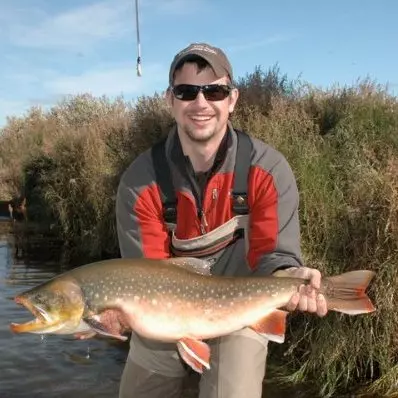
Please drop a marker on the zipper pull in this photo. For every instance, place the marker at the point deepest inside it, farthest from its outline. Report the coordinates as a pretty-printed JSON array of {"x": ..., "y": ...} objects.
[
  {"x": 203, "y": 222},
  {"x": 215, "y": 194}
]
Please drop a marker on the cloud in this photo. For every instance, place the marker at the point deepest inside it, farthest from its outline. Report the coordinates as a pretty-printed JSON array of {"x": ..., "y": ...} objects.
[
  {"x": 110, "y": 81},
  {"x": 82, "y": 27},
  {"x": 73, "y": 29},
  {"x": 179, "y": 7},
  {"x": 250, "y": 45}
]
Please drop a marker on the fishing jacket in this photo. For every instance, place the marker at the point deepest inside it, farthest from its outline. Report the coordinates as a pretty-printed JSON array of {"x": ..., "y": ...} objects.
[{"x": 240, "y": 230}]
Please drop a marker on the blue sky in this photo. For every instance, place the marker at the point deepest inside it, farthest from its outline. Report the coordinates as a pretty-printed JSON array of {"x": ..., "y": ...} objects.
[{"x": 50, "y": 49}]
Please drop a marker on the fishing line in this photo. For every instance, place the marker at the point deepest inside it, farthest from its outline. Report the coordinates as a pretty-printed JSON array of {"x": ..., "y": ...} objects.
[{"x": 139, "y": 70}]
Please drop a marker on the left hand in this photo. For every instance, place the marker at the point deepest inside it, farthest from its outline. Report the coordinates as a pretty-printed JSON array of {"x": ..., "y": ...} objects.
[{"x": 307, "y": 298}]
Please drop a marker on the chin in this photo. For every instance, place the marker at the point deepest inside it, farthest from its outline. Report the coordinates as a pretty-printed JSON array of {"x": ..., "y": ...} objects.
[
  {"x": 201, "y": 133},
  {"x": 201, "y": 136}
]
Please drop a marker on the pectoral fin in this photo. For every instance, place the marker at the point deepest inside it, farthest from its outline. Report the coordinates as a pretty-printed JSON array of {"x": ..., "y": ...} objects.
[
  {"x": 195, "y": 353},
  {"x": 100, "y": 328},
  {"x": 272, "y": 326}
]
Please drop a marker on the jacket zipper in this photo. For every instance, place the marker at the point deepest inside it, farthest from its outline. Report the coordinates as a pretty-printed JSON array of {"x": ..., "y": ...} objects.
[{"x": 199, "y": 195}]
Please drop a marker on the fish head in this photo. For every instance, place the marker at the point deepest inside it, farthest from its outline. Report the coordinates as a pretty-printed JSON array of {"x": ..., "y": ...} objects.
[{"x": 57, "y": 306}]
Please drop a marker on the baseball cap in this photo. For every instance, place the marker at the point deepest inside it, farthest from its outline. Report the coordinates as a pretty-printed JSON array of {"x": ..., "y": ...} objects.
[{"x": 216, "y": 58}]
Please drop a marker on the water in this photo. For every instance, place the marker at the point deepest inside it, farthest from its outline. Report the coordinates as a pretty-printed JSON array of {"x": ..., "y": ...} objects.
[{"x": 35, "y": 366}]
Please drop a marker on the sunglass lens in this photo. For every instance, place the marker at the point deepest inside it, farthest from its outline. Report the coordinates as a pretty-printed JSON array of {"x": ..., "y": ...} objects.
[
  {"x": 215, "y": 92},
  {"x": 212, "y": 92},
  {"x": 186, "y": 92}
]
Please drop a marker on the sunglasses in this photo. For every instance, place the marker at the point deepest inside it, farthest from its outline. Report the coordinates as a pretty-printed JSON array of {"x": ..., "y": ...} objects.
[{"x": 212, "y": 92}]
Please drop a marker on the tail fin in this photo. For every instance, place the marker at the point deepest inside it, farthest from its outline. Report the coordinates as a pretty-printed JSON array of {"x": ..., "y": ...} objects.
[{"x": 346, "y": 292}]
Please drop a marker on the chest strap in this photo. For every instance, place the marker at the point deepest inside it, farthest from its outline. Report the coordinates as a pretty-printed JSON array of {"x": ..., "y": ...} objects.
[{"x": 164, "y": 179}]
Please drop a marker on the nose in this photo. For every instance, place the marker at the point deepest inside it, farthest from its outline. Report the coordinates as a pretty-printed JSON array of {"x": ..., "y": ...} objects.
[{"x": 200, "y": 99}]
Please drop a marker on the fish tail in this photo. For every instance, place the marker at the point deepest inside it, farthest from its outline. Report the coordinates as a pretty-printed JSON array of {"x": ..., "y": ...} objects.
[{"x": 346, "y": 293}]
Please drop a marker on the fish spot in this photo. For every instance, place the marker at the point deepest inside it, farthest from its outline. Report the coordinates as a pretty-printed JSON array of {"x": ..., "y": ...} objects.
[
  {"x": 154, "y": 302},
  {"x": 96, "y": 295},
  {"x": 106, "y": 298},
  {"x": 136, "y": 298},
  {"x": 224, "y": 296},
  {"x": 169, "y": 305}
]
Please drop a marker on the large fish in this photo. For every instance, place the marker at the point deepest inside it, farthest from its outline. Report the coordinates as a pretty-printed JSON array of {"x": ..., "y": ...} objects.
[{"x": 177, "y": 300}]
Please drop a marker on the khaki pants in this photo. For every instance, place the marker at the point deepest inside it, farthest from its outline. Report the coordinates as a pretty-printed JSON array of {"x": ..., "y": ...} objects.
[{"x": 237, "y": 368}]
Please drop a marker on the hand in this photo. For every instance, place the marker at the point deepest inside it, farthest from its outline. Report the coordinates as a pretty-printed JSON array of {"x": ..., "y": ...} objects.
[
  {"x": 307, "y": 298},
  {"x": 112, "y": 320}
]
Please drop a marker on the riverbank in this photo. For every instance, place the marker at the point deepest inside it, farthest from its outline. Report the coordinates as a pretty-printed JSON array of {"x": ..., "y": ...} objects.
[{"x": 343, "y": 148}]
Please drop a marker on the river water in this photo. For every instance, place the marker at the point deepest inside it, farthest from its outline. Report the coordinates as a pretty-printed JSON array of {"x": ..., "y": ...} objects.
[{"x": 35, "y": 366}]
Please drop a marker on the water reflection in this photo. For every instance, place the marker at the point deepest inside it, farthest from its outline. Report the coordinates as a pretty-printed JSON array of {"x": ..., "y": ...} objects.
[{"x": 32, "y": 366}]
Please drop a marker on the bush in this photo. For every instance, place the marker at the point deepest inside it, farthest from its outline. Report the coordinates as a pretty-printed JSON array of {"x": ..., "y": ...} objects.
[{"x": 343, "y": 147}]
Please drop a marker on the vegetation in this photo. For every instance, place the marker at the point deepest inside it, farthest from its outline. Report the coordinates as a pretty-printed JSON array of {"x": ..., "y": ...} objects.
[{"x": 342, "y": 144}]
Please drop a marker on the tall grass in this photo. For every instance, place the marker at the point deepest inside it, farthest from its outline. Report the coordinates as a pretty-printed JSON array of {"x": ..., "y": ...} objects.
[{"x": 342, "y": 144}]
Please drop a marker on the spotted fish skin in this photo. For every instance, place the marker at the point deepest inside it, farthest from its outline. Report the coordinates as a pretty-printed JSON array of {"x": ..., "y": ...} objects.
[
  {"x": 166, "y": 302},
  {"x": 176, "y": 300}
]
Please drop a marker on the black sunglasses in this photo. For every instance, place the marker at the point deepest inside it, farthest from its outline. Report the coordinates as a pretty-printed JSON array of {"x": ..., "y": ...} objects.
[{"x": 212, "y": 92}]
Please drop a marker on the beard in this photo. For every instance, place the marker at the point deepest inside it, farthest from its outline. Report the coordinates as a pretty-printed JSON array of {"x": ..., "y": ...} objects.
[{"x": 199, "y": 135}]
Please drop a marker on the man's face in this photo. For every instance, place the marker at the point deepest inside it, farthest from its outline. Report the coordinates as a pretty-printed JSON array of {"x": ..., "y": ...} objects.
[{"x": 201, "y": 120}]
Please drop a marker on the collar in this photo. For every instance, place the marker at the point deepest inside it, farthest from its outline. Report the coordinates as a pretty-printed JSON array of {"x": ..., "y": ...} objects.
[{"x": 181, "y": 160}]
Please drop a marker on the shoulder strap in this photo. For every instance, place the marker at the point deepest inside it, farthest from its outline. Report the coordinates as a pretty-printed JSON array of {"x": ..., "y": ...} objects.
[
  {"x": 242, "y": 167},
  {"x": 239, "y": 194},
  {"x": 163, "y": 178}
]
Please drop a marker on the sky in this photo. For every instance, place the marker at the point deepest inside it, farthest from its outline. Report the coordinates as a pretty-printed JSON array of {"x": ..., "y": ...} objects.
[{"x": 49, "y": 48}]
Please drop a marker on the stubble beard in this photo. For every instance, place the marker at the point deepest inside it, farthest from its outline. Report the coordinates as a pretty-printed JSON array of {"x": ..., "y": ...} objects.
[{"x": 201, "y": 137}]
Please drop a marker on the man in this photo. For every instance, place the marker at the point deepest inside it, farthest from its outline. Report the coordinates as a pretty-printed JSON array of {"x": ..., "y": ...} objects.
[{"x": 201, "y": 153}]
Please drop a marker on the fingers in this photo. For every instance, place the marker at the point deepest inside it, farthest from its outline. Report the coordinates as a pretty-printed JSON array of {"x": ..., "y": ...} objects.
[
  {"x": 294, "y": 300},
  {"x": 322, "y": 307},
  {"x": 308, "y": 301},
  {"x": 311, "y": 301},
  {"x": 315, "y": 278}
]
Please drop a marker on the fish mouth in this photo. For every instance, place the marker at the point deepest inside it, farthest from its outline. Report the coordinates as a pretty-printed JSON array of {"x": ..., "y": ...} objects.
[{"x": 41, "y": 323}]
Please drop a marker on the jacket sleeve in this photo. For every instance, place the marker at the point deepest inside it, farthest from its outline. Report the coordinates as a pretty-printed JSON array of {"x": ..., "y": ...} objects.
[
  {"x": 139, "y": 221},
  {"x": 274, "y": 232}
]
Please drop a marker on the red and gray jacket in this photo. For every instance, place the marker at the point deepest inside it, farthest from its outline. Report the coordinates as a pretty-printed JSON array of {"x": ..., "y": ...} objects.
[{"x": 206, "y": 225}]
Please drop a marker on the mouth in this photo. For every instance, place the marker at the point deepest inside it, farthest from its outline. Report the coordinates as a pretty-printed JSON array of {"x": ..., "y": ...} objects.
[
  {"x": 200, "y": 119},
  {"x": 40, "y": 323}
]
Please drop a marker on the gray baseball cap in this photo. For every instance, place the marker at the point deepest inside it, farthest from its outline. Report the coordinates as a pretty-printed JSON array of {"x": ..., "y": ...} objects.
[{"x": 213, "y": 55}]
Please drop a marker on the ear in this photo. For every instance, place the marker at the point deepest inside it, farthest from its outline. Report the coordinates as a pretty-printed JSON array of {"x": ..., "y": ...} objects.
[
  {"x": 233, "y": 98},
  {"x": 169, "y": 98}
]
